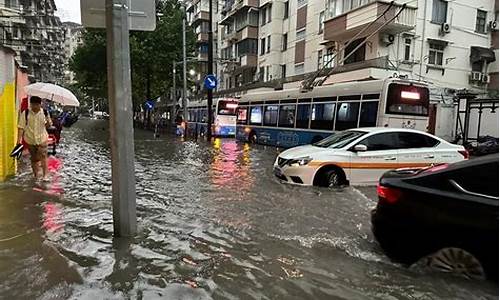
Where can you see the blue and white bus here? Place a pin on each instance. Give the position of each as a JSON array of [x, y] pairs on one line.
[[224, 117], [289, 118]]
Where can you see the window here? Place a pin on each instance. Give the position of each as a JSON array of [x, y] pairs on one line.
[[340, 139], [334, 8], [436, 52], [269, 8], [368, 117], [321, 19], [287, 8], [271, 115], [268, 43], [283, 71], [358, 55], [268, 73], [242, 115], [481, 21], [227, 108], [262, 46], [407, 49], [328, 60], [285, 42], [261, 73], [287, 116], [381, 141], [301, 34], [408, 140], [407, 100], [303, 112], [439, 11], [478, 66], [347, 115], [320, 59], [322, 116], [256, 115], [263, 17]]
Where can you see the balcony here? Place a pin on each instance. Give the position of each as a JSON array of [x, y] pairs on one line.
[[200, 16], [345, 26], [202, 38], [248, 61], [236, 7]]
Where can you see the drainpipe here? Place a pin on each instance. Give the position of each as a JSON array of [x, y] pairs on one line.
[[423, 39]]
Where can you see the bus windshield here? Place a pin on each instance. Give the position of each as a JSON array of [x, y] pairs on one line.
[[227, 107], [340, 139]]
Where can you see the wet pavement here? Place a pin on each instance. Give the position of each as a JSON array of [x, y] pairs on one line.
[[213, 223]]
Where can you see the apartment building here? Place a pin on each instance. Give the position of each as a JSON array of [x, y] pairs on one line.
[[72, 39], [275, 44], [31, 29]]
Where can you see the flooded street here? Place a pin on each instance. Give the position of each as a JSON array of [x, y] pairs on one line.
[[213, 222]]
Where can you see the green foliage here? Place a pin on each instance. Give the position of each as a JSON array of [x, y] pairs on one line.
[[151, 53]]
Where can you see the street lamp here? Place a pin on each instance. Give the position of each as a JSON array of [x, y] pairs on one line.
[[192, 72]]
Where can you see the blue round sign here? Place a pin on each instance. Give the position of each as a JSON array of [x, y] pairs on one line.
[[210, 82]]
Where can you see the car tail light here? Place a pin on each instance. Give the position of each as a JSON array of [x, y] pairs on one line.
[[464, 153], [389, 194]]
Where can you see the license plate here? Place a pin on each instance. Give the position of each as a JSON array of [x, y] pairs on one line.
[[277, 172]]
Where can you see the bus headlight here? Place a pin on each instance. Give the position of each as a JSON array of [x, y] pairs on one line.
[[301, 161]]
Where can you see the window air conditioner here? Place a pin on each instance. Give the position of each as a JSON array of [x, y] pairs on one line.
[[492, 25], [485, 78], [445, 28], [388, 39]]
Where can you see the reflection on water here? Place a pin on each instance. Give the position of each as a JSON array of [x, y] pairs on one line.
[[213, 223]]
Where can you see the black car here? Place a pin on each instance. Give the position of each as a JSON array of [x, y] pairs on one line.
[[444, 217]]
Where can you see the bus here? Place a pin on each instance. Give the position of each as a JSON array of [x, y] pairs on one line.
[[224, 117], [289, 118]]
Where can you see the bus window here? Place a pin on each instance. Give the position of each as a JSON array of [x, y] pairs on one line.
[[347, 115], [242, 115], [271, 115], [227, 108], [322, 116], [368, 116], [303, 112], [407, 100], [287, 116], [256, 115]]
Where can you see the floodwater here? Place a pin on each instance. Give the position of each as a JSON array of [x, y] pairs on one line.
[[213, 223]]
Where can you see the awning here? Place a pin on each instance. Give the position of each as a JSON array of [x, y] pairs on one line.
[[481, 53]]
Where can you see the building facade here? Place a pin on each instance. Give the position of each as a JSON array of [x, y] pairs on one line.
[[277, 44], [72, 39], [31, 29]]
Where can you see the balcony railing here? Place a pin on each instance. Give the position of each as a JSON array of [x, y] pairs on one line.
[[344, 26]]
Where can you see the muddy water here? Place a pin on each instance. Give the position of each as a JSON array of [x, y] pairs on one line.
[[213, 223]]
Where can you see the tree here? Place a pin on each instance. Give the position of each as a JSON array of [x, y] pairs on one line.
[[151, 53]]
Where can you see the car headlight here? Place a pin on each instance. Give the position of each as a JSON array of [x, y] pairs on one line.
[[301, 161]]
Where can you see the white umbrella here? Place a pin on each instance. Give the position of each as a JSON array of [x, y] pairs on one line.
[[52, 92]]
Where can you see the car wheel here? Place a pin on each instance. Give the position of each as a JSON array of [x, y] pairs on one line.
[[457, 261], [332, 179]]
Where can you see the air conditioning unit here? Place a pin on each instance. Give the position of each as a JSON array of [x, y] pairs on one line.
[[445, 28], [475, 76], [492, 25], [388, 39], [485, 78]]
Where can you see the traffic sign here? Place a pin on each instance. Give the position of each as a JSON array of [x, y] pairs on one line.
[[149, 105], [210, 82], [142, 14]]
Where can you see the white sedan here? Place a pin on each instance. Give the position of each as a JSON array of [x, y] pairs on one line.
[[360, 156]]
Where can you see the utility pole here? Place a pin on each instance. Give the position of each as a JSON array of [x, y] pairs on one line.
[[210, 68], [174, 94], [120, 108], [184, 67]]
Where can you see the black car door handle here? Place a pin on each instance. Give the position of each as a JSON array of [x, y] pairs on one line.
[[390, 158]]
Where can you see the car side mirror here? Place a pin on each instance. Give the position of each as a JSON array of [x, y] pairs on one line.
[[360, 148]]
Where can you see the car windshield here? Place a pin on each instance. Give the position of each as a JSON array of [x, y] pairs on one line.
[[340, 139]]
